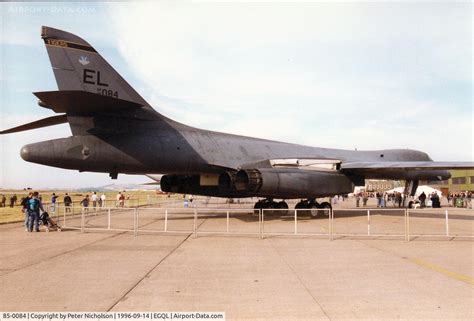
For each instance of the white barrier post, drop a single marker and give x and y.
(447, 223)
(296, 222)
(331, 224)
(82, 221)
(261, 218)
(108, 220)
(166, 220)
(227, 222)
(195, 223)
(408, 225)
(368, 222)
(64, 218)
(138, 218)
(135, 221)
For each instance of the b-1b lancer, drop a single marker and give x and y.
(114, 130)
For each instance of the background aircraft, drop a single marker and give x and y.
(116, 131)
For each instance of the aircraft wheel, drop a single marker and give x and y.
(314, 210)
(324, 209)
(283, 206)
(271, 205)
(302, 205)
(257, 207)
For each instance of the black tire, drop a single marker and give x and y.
(257, 207)
(324, 209)
(301, 205)
(282, 206)
(314, 210)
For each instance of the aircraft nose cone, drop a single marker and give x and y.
(25, 153)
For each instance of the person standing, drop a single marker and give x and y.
(103, 198)
(365, 198)
(85, 203)
(399, 199)
(422, 199)
(357, 199)
(4, 200)
(118, 198)
(24, 206)
(12, 202)
(379, 199)
(435, 203)
(53, 202)
(121, 199)
(34, 207)
(67, 202)
(94, 200)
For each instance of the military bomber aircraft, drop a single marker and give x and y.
(114, 130)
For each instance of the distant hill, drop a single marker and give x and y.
(120, 187)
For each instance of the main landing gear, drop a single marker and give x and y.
(280, 208)
(314, 209)
(310, 206)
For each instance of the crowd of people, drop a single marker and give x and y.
(13, 200)
(100, 201)
(383, 199)
(460, 199)
(395, 199)
(33, 207)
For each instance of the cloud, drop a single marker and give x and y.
(340, 75)
(334, 75)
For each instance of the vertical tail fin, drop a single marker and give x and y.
(78, 66)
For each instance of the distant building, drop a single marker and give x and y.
(460, 181)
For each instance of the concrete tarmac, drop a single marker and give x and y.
(277, 278)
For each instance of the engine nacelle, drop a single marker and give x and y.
(191, 184)
(292, 183)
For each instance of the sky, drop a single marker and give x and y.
(351, 75)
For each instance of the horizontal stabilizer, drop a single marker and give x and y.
(376, 166)
(83, 102)
(45, 122)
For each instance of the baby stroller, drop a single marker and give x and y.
(49, 223)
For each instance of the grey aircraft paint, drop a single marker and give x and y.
(116, 131)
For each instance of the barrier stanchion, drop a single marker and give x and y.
(82, 220)
(368, 222)
(64, 217)
(108, 219)
(405, 225)
(227, 223)
(135, 222)
(331, 224)
(408, 225)
(296, 222)
(195, 223)
(447, 223)
(260, 222)
(166, 220)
